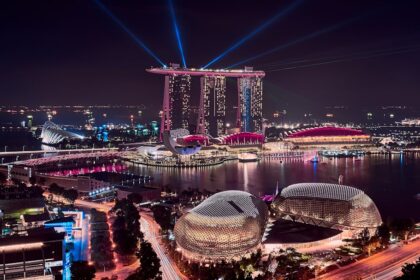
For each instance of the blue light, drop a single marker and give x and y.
(257, 30)
(177, 33)
(296, 41)
(128, 31)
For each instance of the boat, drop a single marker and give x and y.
(314, 159)
(248, 157)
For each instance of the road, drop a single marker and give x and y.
(104, 207)
(382, 266)
(151, 229)
(121, 271)
(151, 232)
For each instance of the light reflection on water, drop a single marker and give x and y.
(391, 181)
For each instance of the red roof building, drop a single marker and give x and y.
(328, 135)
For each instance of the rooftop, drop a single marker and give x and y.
(326, 131)
(321, 190)
(236, 73)
(228, 203)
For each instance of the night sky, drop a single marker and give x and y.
(71, 52)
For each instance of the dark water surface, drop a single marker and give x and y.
(391, 181)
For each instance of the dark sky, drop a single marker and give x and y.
(71, 52)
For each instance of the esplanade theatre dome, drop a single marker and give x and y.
(226, 225)
(328, 205)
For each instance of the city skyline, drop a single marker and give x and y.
(204, 140)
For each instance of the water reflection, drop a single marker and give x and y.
(392, 184)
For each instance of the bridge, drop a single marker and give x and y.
(35, 152)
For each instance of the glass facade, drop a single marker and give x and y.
(228, 224)
(328, 205)
(250, 103)
(212, 119)
(179, 100)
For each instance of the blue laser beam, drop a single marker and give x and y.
(296, 41)
(128, 31)
(257, 30)
(177, 32)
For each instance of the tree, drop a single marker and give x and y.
(126, 227)
(401, 227)
(163, 216)
(410, 271)
(149, 264)
(55, 189)
(82, 271)
(32, 180)
(135, 198)
(384, 234)
(71, 194)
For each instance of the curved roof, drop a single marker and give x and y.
(226, 225)
(322, 190)
(53, 134)
(229, 203)
(242, 136)
(195, 138)
(327, 131)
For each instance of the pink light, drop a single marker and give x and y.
(205, 72)
(327, 131)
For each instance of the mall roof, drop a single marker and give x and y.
(326, 131)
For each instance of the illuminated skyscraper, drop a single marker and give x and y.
(212, 113)
(176, 109)
(249, 114)
(176, 102)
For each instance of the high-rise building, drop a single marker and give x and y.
(212, 112)
(249, 115)
(177, 111)
(176, 102)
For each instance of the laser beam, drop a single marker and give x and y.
(257, 30)
(350, 56)
(348, 59)
(177, 32)
(128, 31)
(296, 41)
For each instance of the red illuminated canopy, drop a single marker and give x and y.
(327, 131)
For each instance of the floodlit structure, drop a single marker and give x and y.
(52, 134)
(212, 112)
(249, 114)
(212, 109)
(170, 142)
(227, 225)
(242, 138)
(328, 205)
(328, 135)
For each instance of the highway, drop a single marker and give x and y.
(151, 232)
(151, 229)
(382, 266)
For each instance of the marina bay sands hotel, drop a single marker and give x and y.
(211, 119)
